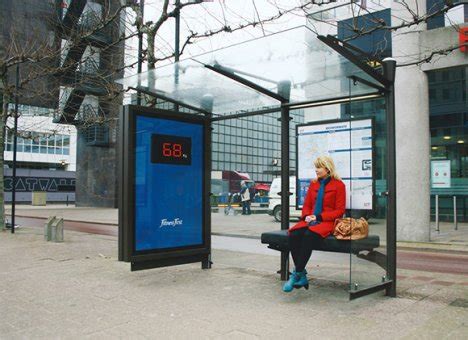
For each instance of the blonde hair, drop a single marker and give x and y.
(326, 162)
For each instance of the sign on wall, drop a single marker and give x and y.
(440, 174)
(350, 144)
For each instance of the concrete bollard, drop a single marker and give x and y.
(57, 230)
(53, 229)
(47, 228)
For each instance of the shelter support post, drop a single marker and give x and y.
(177, 45)
(389, 67)
(207, 106)
(284, 90)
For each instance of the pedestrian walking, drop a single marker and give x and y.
(245, 198)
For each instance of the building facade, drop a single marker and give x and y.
(70, 110)
(252, 145)
(92, 58)
(45, 150)
(41, 144)
(431, 101)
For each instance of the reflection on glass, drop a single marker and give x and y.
(449, 140)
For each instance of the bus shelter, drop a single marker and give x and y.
(164, 212)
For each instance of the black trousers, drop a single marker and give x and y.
(301, 243)
(246, 208)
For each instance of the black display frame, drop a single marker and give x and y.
(162, 257)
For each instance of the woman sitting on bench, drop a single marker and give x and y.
(325, 201)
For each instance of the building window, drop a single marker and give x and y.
(36, 142)
(455, 15)
(379, 42)
(448, 109)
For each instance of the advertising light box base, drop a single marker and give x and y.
(164, 214)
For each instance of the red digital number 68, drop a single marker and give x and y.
(167, 151)
(172, 150)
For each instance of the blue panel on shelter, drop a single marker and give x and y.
(168, 194)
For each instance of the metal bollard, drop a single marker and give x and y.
(455, 221)
(437, 212)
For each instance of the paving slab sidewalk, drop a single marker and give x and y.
(78, 289)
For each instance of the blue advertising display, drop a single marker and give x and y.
(168, 184)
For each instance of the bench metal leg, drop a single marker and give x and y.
(284, 271)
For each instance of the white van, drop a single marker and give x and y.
(274, 206)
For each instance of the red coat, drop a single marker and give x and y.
(334, 205)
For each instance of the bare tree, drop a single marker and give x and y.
(54, 52)
(364, 22)
(230, 22)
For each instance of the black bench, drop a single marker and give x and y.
(278, 240)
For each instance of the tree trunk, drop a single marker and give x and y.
(3, 119)
(151, 36)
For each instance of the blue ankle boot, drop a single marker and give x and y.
(302, 280)
(289, 286)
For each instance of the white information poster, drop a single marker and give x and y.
(349, 143)
(440, 174)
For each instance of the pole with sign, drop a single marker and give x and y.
(440, 174)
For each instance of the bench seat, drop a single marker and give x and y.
(278, 240)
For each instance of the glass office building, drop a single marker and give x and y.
(448, 109)
(253, 145)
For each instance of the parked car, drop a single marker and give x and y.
(274, 206)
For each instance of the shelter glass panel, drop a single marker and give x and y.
(316, 71)
(367, 199)
(190, 82)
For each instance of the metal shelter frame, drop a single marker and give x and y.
(384, 77)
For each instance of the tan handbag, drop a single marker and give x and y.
(351, 229)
